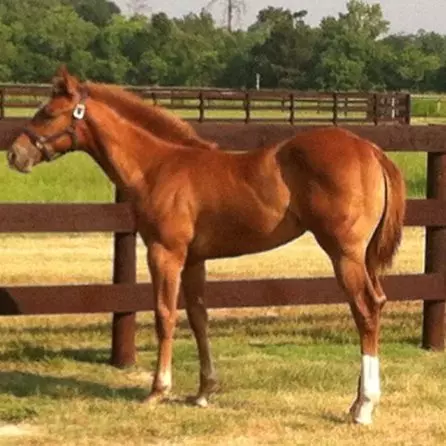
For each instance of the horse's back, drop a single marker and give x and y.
(332, 145)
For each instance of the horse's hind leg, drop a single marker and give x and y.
(193, 280)
(365, 299)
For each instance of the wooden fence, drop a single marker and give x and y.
(125, 297)
(244, 105)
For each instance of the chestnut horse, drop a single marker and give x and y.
(194, 205)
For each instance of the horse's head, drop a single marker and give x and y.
(56, 127)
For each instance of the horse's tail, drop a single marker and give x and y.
(387, 237)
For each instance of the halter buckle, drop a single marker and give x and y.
(79, 111)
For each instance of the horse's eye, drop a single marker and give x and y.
(44, 111)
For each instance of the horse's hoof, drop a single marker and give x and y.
(201, 401)
(361, 412)
(154, 398)
(197, 401)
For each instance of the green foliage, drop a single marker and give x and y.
(284, 57)
(99, 12)
(44, 34)
(352, 51)
(346, 47)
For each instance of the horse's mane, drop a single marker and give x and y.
(157, 120)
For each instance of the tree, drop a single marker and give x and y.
(44, 34)
(405, 64)
(283, 58)
(148, 49)
(8, 52)
(197, 52)
(346, 47)
(98, 12)
(110, 48)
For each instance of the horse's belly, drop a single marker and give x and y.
(223, 239)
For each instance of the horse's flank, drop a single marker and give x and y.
(158, 120)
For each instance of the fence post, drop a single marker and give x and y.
(408, 108)
(2, 103)
(124, 271)
(291, 108)
(247, 107)
(435, 255)
(335, 108)
(201, 106)
(375, 109)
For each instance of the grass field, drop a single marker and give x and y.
(288, 374)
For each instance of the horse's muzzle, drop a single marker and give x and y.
(19, 159)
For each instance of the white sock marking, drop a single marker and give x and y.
(165, 379)
(370, 390)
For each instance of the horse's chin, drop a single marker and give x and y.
(25, 169)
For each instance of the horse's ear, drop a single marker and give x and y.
(64, 83)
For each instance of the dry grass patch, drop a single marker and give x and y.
(87, 258)
(288, 374)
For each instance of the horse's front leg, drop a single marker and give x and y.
(193, 281)
(165, 267)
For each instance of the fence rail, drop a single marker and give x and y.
(125, 297)
(206, 104)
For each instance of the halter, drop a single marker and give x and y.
(42, 142)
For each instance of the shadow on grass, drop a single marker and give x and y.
(29, 352)
(303, 329)
(97, 328)
(24, 384)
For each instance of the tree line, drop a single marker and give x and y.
(353, 51)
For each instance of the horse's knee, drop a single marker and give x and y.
(165, 321)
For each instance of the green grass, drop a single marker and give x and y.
(287, 378)
(76, 178)
(413, 167)
(73, 178)
(429, 105)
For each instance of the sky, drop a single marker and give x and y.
(405, 16)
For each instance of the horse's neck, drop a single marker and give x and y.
(125, 152)
(142, 114)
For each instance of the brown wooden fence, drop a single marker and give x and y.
(125, 297)
(249, 106)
